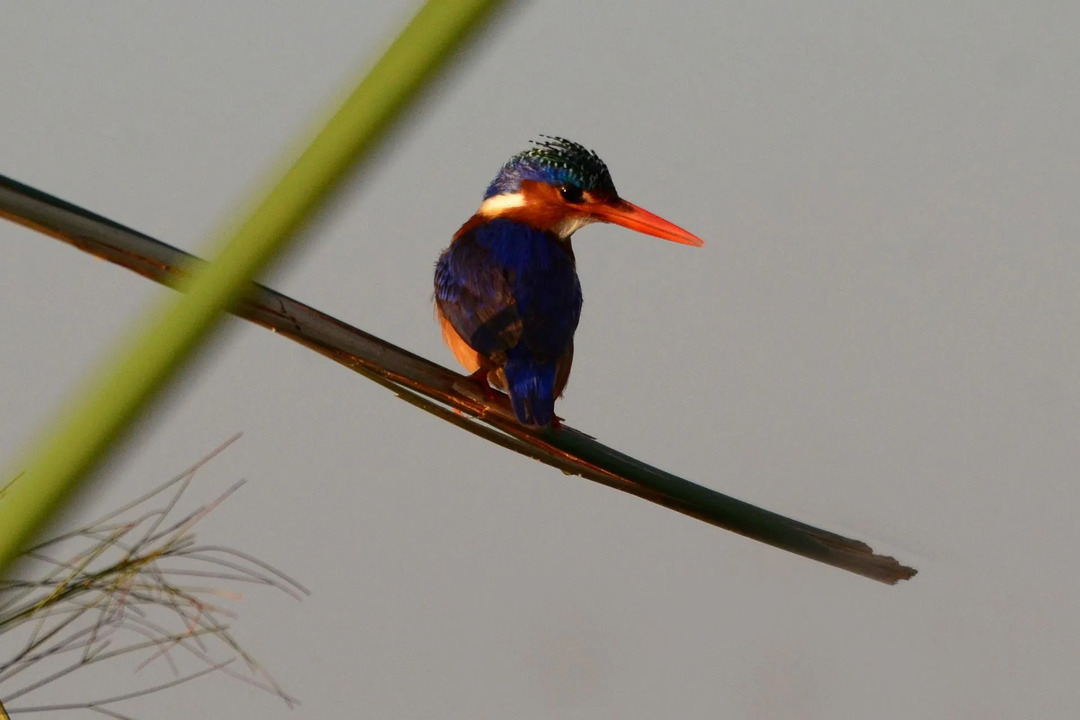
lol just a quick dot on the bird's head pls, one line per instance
(559, 186)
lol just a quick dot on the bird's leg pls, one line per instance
(481, 380)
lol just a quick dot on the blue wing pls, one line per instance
(512, 293)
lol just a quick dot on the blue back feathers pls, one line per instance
(554, 161)
(512, 293)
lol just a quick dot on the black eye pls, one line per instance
(571, 193)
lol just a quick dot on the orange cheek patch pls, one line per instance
(543, 207)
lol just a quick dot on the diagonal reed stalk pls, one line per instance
(76, 440)
(441, 392)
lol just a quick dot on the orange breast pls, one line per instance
(465, 355)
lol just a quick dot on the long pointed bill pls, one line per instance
(631, 216)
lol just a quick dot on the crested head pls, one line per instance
(559, 187)
(554, 161)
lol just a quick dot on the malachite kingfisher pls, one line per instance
(506, 290)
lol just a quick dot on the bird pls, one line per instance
(507, 294)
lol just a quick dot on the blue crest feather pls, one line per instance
(555, 161)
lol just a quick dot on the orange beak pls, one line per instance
(620, 212)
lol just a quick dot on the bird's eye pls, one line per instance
(571, 193)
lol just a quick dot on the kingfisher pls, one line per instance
(507, 294)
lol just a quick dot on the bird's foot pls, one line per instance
(480, 379)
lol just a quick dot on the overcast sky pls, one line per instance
(880, 336)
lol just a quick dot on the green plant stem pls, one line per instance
(76, 441)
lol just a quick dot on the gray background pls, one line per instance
(880, 337)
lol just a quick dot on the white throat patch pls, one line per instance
(570, 225)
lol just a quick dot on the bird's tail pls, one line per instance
(531, 385)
